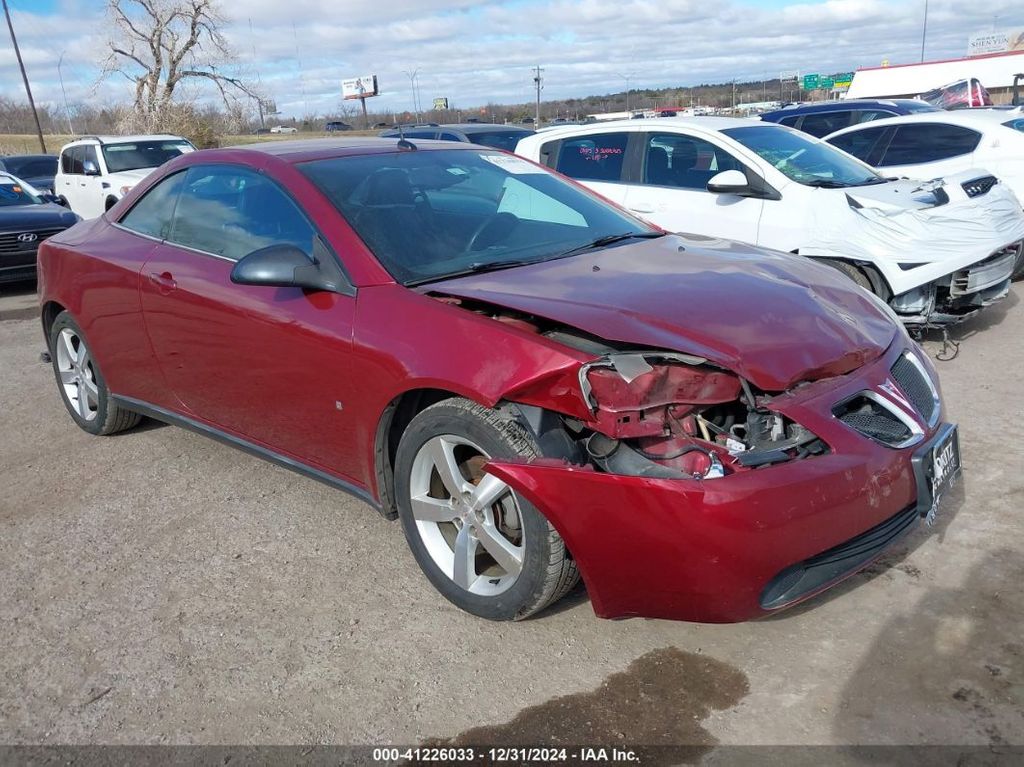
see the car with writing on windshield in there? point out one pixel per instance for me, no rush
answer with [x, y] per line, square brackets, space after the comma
[936, 251]
[537, 384]
[95, 172]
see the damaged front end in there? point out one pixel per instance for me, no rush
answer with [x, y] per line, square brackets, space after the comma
[660, 414]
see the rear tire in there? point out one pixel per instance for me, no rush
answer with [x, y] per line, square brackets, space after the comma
[81, 384]
[452, 534]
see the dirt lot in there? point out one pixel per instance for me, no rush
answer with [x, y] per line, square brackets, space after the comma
[158, 587]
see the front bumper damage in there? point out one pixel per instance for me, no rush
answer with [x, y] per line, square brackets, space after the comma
[740, 546]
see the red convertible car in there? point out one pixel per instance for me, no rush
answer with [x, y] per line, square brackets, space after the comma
[537, 384]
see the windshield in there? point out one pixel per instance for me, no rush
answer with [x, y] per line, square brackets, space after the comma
[14, 192]
[803, 159]
[142, 154]
[430, 214]
[499, 139]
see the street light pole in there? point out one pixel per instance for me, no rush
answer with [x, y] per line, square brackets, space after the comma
[924, 30]
[24, 77]
[412, 85]
[538, 81]
[60, 76]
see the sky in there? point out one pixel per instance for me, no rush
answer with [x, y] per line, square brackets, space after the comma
[474, 52]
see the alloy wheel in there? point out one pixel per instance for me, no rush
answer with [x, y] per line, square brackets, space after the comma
[77, 376]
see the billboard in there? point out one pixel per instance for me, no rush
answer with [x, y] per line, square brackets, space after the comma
[359, 87]
[996, 42]
[440, 103]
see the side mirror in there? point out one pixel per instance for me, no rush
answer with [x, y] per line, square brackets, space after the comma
[90, 168]
[49, 197]
[729, 182]
[283, 266]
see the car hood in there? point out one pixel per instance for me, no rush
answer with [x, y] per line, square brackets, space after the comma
[128, 177]
[33, 217]
[773, 318]
[908, 220]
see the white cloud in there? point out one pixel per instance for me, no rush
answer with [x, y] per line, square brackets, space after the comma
[476, 52]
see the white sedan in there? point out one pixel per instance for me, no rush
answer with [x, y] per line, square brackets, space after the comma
[934, 144]
[284, 129]
[936, 252]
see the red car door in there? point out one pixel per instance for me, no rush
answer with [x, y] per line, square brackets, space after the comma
[268, 364]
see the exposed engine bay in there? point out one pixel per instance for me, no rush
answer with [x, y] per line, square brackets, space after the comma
[659, 413]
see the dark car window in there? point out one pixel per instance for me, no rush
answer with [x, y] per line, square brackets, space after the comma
[1017, 124]
[505, 139]
[38, 168]
[686, 162]
[142, 154]
[73, 160]
[822, 123]
[13, 193]
[446, 136]
[152, 214]
[860, 143]
[598, 157]
[867, 115]
[928, 142]
[230, 211]
[790, 121]
[431, 214]
[803, 159]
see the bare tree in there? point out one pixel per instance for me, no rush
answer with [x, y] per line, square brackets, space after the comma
[159, 45]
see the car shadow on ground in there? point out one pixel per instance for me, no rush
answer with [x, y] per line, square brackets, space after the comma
[950, 672]
[891, 559]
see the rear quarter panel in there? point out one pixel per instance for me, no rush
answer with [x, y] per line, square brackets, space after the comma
[93, 272]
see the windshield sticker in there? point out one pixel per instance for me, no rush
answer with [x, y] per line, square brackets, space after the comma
[512, 164]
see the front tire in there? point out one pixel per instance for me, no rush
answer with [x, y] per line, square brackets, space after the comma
[486, 549]
[80, 382]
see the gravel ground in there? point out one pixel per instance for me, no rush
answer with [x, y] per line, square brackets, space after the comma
[157, 587]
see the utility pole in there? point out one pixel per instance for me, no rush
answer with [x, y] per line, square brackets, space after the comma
[67, 112]
[28, 89]
[415, 95]
[538, 81]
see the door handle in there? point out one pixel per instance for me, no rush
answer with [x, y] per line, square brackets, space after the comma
[644, 209]
[164, 281]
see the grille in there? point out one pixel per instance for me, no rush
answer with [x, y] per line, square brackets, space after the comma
[9, 242]
[914, 384]
[873, 421]
[979, 186]
[993, 270]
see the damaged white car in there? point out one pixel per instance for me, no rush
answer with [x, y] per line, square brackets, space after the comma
[935, 251]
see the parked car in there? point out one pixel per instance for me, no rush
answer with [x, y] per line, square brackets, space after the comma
[823, 117]
[927, 145]
[936, 253]
[27, 218]
[704, 430]
[486, 134]
[336, 125]
[37, 169]
[284, 129]
[96, 171]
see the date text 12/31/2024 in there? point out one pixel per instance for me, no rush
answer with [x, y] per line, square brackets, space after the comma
[512, 754]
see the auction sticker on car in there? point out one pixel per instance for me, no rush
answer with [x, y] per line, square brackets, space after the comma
[512, 164]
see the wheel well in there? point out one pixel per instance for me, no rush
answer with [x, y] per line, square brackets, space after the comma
[878, 284]
[50, 311]
[392, 424]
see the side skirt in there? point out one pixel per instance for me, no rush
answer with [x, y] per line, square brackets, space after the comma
[166, 416]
